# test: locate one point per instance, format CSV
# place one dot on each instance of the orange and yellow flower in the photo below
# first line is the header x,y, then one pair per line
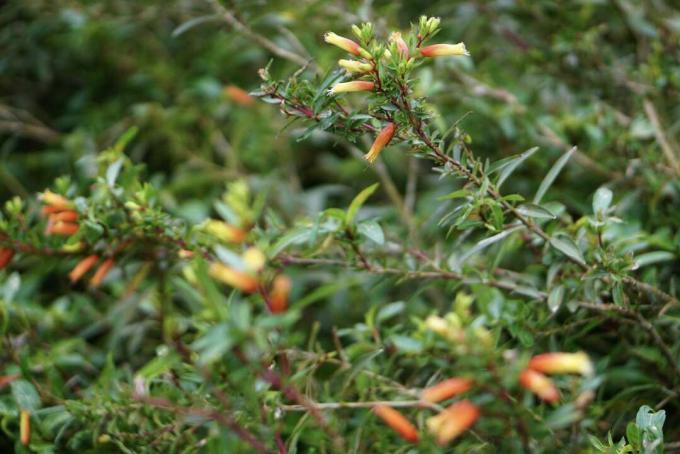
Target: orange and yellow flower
x,y
540,385
446,389
444,50
101,273
234,278
355,67
397,422
381,141
354,86
345,44
239,95
25,427
278,297
82,267
562,363
402,47
453,421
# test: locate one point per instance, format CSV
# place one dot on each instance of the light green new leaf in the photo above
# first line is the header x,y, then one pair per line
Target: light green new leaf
x,y
358,201
550,177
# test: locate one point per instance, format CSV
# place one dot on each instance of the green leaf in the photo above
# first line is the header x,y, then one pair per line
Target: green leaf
x,y
601,201
650,258
372,231
358,201
552,174
407,344
535,211
25,395
458,261
555,298
508,165
297,236
566,245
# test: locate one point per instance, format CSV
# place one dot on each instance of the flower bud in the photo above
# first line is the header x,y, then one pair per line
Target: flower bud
x,y
540,385
239,95
6,255
381,142
57,201
446,389
562,363
82,267
355,67
101,273
278,298
397,422
65,216
453,421
343,43
224,232
25,427
254,259
444,50
62,228
234,278
396,38
355,85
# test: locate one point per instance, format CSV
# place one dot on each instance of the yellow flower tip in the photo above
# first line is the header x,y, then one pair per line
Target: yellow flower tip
x,y
234,278
354,86
540,385
343,43
562,363
254,259
381,141
397,422
396,38
446,389
444,50
355,67
56,201
453,421
224,232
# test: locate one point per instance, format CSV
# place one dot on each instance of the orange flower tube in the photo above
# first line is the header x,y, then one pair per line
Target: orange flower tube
x,y
64,216
540,385
278,298
343,43
562,363
6,255
444,50
381,141
397,422
101,273
82,267
453,421
25,427
237,279
239,95
62,228
55,200
354,86
446,389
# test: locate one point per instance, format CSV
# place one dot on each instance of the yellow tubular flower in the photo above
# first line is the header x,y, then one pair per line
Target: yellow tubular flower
x,y
348,87
540,385
355,67
343,43
237,279
562,363
444,50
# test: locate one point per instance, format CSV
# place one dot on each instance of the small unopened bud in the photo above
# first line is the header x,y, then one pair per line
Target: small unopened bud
x,y
55,200
82,267
396,38
345,44
25,427
355,67
562,363
397,422
355,85
225,232
278,298
444,50
254,259
62,228
101,273
64,216
453,421
446,389
540,385
381,142
234,278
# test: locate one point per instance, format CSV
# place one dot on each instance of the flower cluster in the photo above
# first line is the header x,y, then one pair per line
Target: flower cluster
x,y
62,218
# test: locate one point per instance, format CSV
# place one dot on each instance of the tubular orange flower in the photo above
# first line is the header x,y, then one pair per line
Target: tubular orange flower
x,y
101,273
239,95
65,216
25,427
444,50
345,44
225,232
7,379
237,279
62,228
397,422
540,385
396,38
55,200
82,267
380,142
562,363
453,421
6,255
355,85
278,298
446,389
355,67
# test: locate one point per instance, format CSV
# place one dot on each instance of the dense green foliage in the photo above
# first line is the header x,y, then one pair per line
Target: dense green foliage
x,y
188,268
